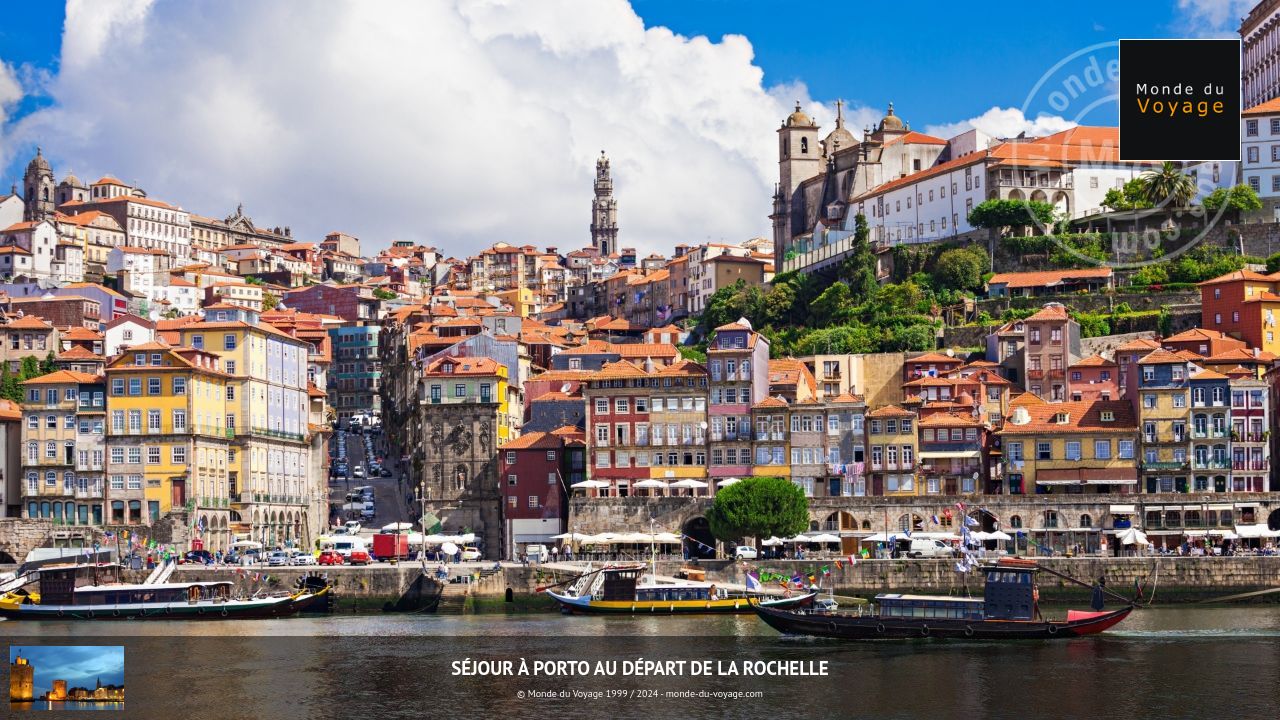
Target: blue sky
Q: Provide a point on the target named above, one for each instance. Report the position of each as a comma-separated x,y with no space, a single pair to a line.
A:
209,103
79,665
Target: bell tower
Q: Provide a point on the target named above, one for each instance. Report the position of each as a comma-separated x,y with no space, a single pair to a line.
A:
799,158
38,183
604,211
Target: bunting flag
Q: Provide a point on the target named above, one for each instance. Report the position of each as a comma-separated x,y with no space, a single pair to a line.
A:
825,571
970,521
838,565
753,582
108,534
935,520
852,559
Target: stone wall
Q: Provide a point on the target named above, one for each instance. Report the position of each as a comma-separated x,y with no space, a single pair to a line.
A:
592,516
19,536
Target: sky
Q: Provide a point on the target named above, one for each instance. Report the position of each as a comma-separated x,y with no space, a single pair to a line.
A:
79,665
460,123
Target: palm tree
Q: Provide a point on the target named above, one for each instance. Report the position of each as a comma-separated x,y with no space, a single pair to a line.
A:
1168,187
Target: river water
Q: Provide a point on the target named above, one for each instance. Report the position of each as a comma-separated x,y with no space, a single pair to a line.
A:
1174,662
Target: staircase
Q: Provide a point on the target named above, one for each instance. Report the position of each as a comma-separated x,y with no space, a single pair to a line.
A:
453,599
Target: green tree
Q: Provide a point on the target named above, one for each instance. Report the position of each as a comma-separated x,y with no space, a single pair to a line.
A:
9,387
1167,186
381,294
914,337
759,507
1236,200
833,307
999,215
958,269
270,301
47,365
1131,197
859,269
30,368
1273,263
694,353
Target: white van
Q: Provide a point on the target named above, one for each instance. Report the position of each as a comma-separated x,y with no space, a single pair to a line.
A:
344,545
924,547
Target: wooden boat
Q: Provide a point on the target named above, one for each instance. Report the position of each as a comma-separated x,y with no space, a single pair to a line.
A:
94,592
1008,610
627,590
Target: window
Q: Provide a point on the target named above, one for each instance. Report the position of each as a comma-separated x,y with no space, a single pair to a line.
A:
135,421
117,386
1251,128
642,405
179,420
179,454
153,386
602,406
153,421
153,455
1044,451
135,455
230,367
621,406
1254,184
459,390
228,342
1102,449
602,458
135,386
1251,155
179,386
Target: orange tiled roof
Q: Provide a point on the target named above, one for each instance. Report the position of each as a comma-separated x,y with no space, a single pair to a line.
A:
890,411
59,377
1050,312
1046,278
1082,417
1094,361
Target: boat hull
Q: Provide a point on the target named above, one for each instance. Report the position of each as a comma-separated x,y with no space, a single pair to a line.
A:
204,610
726,606
853,627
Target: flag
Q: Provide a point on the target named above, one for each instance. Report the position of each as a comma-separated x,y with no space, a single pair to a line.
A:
108,534
753,582
969,521
961,568
852,558
812,578
797,580
838,565
826,571
935,520
960,506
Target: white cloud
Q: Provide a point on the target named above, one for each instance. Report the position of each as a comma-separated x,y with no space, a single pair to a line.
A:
1004,123
453,123
1212,18
10,94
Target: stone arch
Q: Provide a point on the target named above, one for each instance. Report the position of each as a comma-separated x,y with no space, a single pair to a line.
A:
1273,520
698,538
7,559
1016,194
911,522
1086,520
839,520
1015,522
1061,203
1039,196
866,524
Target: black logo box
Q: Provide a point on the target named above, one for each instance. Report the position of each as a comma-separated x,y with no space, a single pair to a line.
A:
1187,68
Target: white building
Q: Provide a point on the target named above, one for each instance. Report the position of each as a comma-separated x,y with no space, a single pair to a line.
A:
126,331
11,207
1260,54
182,295
141,271
1260,155
40,240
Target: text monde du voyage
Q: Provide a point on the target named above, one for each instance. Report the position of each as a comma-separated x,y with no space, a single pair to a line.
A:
1180,99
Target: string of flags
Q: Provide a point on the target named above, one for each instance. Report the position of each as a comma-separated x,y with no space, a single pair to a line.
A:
757,577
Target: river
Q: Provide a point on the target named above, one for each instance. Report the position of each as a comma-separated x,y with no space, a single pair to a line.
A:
1177,661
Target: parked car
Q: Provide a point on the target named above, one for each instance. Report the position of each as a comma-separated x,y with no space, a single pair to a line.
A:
745,552
470,553
304,559
924,547
278,559
359,557
536,553
385,472
197,556
352,527
329,557
357,472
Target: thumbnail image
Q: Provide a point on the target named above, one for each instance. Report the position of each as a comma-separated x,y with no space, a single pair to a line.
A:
66,677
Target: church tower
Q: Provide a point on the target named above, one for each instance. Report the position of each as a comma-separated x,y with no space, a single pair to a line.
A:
604,211
38,182
799,158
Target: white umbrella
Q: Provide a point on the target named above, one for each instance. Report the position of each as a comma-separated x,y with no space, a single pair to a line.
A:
825,538
590,484
246,544
999,535
688,483
601,539
798,539
667,538
415,538
1132,536
979,536
650,484
397,527
635,537
728,481
449,548
772,542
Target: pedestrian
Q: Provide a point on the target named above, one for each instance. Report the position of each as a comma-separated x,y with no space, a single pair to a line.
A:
553,553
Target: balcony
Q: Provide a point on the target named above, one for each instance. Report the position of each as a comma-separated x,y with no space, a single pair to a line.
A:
1251,465
1163,465
1035,374
1215,464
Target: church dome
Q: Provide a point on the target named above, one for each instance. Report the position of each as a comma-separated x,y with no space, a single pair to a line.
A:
891,121
798,117
38,164
73,181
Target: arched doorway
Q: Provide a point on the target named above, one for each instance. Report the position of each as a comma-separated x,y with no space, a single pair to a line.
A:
7,559
698,540
1273,520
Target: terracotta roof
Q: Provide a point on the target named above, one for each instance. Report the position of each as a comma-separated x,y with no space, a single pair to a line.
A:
771,402
1082,417
60,377
78,352
1138,345
1046,278
462,366
1264,108
930,381
1242,355
619,370
1208,375
935,357
916,138
10,411
1161,356
684,368
535,441
890,411
28,322
1050,312
1197,334
847,398
80,332
1237,276
1093,361
949,419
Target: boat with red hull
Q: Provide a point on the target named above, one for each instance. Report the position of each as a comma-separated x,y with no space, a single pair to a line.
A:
1008,610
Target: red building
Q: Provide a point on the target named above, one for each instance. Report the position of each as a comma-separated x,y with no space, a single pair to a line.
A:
1205,343
1093,378
537,470
617,425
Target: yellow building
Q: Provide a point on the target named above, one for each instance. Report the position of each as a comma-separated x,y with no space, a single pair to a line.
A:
771,447
1081,447
274,499
892,451
523,301
166,437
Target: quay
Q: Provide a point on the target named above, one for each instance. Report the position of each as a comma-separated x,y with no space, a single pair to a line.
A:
404,588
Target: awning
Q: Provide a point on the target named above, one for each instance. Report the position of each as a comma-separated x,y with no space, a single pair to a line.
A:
931,454
1089,476
1220,507
1113,481
1124,508
1195,533
1057,482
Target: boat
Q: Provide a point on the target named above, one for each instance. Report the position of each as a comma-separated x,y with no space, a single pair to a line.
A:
93,591
627,589
1008,610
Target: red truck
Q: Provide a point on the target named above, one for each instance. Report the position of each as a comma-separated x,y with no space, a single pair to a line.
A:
390,545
